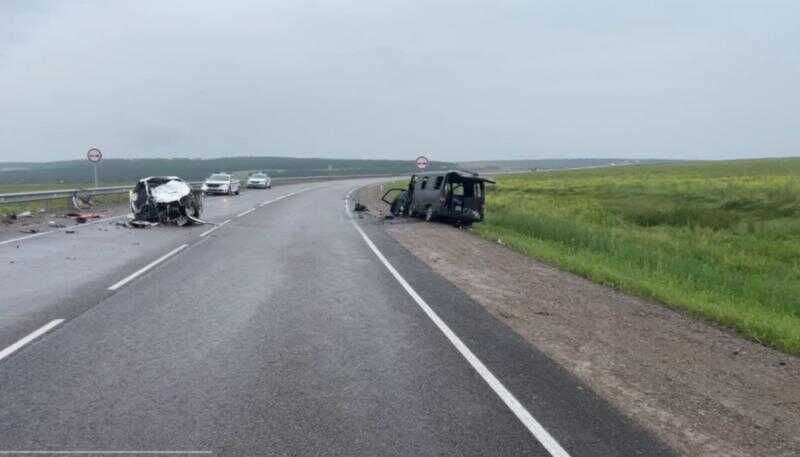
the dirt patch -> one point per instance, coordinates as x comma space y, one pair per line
699, 388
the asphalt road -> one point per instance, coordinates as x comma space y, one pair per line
289, 330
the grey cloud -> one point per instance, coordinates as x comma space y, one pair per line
458, 80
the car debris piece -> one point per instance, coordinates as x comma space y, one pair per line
82, 218
141, 224
55, 224
359, 208
456, 196
29, 231
82, 200
165, 199
25, 214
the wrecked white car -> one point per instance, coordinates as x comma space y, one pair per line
166, 199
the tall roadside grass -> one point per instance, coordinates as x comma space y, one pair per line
718, 239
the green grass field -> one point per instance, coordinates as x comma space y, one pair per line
720, 240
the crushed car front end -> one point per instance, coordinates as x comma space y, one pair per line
166, 199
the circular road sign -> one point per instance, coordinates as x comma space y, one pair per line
422, 162
94, 155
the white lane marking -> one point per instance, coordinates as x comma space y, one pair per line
72, 227
148, 267
30, 337
209, 231
14, 240
107, 452
538, 431
245, 213
214, 228
265, 203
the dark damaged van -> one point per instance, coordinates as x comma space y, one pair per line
455, 196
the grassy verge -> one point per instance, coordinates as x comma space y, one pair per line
720, 240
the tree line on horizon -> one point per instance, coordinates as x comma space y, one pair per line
129, 170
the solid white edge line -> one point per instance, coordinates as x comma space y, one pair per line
147, 267
538, 431
30, 337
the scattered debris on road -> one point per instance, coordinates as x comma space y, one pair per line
165, 199
25, 214
135, 223
82, 218
55, 224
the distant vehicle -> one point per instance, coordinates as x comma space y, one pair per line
259, 181
221, 183
165, 199
455, 196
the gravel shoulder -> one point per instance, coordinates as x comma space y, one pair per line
698, 387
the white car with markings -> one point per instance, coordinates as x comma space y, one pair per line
221, 183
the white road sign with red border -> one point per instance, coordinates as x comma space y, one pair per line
422, 162
94, 155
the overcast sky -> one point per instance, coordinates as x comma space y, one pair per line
456, 80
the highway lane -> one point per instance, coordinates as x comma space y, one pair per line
283, 333
63, 274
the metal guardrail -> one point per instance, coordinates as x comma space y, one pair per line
41, 195
24, 197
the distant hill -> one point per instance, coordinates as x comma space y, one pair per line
129, 170
503, 165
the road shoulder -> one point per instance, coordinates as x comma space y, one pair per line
698, 388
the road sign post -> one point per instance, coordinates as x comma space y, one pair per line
94, 156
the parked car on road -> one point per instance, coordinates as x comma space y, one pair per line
259, 181
221, 183
455, 195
